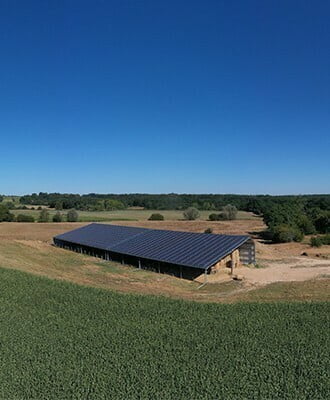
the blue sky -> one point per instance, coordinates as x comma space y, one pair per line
165, 96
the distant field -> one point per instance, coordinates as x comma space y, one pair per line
130, 215
63, 341
14, 199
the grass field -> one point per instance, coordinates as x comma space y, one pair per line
129, 215
62, 341
40, 258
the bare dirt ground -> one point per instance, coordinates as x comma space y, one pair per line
281, 263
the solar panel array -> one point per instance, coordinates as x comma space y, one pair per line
197, 250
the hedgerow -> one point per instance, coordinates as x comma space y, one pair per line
62, 341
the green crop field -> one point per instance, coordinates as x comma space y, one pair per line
63, 341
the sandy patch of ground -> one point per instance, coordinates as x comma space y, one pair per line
289, 270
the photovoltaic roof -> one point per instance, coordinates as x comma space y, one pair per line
197, 250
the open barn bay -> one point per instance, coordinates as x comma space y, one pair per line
60, 340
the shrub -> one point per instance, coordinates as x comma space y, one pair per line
57, 217
217, 217
72, 216
156, 217
229, 212
208, 230
285, 233
213, 217
24, 218
326, 239
316, 241
191, 214
43, 216
5, 214
39, 208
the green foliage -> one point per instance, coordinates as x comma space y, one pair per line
191, 214
322, 222
59, 205
229, 212
9, 204
326, 239
305, 224
1, 198
57, 217
43, 216
24, 218
62, 341
214, 217
5, 214
316, 241
285, 233
156, 217
208, 230
72, 216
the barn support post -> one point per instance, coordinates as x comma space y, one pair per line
232, 265
205, 276
139, 264
181, 271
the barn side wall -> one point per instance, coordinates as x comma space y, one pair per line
160, 267
247, 253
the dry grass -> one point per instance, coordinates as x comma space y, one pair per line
27, 247
38, 257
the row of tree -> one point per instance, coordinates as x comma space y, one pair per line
172, 201
44, 216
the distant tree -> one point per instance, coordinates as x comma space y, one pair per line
285, 233
305, 224
57, 217
322, 222
43, 216
72, 216
229, 212
24, 218
5, 214
1, 198
156, 217
59, 205
112, 204
9, 204
208, 230
191, 214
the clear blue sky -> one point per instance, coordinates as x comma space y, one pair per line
165, 96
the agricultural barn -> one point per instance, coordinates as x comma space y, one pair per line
183, 254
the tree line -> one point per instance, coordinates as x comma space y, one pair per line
288, 218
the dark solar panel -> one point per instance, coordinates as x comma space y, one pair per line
198, 250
